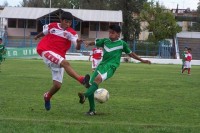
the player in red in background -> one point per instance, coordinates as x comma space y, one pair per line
96, 54
53, 47
187, 64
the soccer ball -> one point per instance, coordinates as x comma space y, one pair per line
101, 95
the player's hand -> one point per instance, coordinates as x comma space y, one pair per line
35, 37
147, 61
86, 43
78, 45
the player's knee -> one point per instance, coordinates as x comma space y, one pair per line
57, 86
64, 63
98, 79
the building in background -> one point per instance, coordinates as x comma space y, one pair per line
24, 22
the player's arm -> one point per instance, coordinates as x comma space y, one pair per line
41, 34
97, 42
44, 32
89, 43
78, 43
134, 56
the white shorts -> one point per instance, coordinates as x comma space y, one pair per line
53, 60
95, 62
187, 64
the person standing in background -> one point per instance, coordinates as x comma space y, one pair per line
187, 63
96, 55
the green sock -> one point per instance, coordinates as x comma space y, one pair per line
91, 102
90, 94
91, 90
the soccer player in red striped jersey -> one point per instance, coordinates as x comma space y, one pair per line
187, 63
96, 55
56, 41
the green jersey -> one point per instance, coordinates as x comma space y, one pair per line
183, 55
112, 50
2, 48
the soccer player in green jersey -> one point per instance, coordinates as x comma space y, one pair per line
183, 57
2, 52
113, 48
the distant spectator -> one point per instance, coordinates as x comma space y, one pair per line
183, 57
187, 64
2, 51
96, 55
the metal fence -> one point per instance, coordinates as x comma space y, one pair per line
164, 49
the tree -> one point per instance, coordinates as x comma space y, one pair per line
94, 4
46, 3
32, 3
161, 21
131, 24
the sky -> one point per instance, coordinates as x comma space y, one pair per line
182, 4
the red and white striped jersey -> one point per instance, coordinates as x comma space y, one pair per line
57, 39
97, 53
188, 56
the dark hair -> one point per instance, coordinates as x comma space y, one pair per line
0, 39
190, 49
116, 28
66, 16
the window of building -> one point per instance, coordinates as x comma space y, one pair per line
113, 23
21, 23
31, 24
77, 25
104, 26
94, 26
12, 23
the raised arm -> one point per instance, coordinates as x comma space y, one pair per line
86, 43
41, 34
134, 56
89, 43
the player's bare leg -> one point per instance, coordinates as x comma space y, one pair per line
47, 96
70, 71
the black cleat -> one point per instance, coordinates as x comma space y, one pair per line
86, 81
82, 98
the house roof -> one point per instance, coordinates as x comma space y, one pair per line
82, 14
25, 12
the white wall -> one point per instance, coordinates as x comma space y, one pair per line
19, 31
153, 60
98, 34
189, 34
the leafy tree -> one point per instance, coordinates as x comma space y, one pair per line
131, 25
161, 22
32, 3
94, 4
46, 3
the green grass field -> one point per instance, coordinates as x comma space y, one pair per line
143, 99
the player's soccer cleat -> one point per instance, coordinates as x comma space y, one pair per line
82, 98
47, 103
86, 81
90, 113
